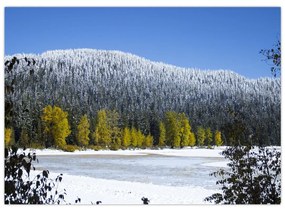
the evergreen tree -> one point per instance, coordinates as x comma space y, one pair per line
116, 137
162, 135
208, 136
56, 124
113, 118
24, 138
74, 120
83, 131
218, 138
200, 136
38, 140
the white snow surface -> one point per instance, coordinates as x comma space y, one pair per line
90, 190
223, 164
186, 152
113, 192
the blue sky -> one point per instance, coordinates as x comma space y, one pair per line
205, 38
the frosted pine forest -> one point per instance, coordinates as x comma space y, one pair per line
83, 81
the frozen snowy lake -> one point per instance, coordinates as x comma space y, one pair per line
149, 168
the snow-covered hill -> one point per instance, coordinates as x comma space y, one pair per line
85, 80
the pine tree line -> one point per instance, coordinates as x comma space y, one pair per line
107, 133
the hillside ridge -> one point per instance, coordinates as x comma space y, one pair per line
58, 53
84, 81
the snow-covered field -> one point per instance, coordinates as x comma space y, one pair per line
186, 152
109, 191
90, 190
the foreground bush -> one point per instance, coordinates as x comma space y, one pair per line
253, 177
21, 189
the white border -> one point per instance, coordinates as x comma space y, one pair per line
130, 3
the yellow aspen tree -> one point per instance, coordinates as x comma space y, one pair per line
134, 137
47, 118
185, 131
102, 132
172, 129
83, 131
8, 136
61, 128
126, 137
218, 138
140, 138
148, 141
56, 124
192, 139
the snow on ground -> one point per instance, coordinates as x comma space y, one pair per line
121, 192
125, 192
187, 152
223, 164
